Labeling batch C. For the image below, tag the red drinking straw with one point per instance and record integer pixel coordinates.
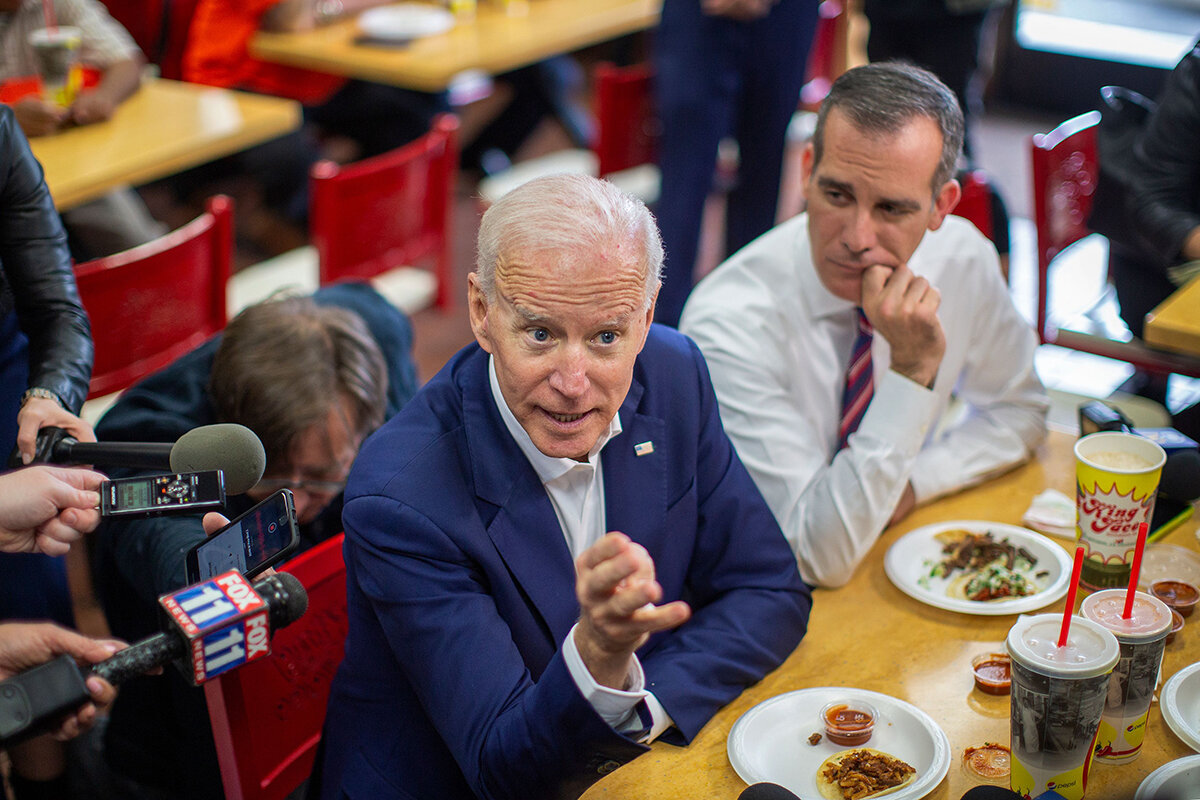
(1074, 587)
(48, 13)
(1135, 569)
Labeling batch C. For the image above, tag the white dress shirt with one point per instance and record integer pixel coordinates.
(576, 491)
(777, 344)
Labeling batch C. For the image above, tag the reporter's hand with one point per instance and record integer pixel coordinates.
(45, 509)
(614, 581)
(902, 308)
(42, 412)
(37, 117)
(25, 645)
(213, 522)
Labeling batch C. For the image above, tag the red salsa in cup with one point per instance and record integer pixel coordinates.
(1178, 595)
(993, 673)
(848, 723)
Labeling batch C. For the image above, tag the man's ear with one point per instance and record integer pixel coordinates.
(477, 307)
(946, 200)
(807, 163)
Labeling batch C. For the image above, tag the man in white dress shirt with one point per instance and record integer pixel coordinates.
(779, 323)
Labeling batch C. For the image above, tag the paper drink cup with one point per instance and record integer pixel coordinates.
(1131, 685)
(1116, 477)
(1058, 695)
(57, 54)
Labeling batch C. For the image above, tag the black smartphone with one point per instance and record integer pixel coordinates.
(153, 495)
(260, 538)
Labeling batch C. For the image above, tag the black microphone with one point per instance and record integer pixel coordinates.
(211, 638)
(233, 449)
(766, 791)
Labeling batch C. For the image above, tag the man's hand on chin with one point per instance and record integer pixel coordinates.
(902, 307)
(614, 581)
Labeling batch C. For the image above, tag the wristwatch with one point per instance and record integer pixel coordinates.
(38, 391)
(327, 11)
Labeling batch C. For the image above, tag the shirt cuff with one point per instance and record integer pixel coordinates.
(619, 709)
(900, 413)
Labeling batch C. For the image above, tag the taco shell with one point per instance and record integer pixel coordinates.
(862, 773)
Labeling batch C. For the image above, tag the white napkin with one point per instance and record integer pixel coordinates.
(1052, 512)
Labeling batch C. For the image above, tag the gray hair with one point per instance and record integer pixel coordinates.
(572, 215)
(886, 96)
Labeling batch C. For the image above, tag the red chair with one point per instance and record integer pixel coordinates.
(159, 27)
(627, 129)
(153, 303)
(975, 204)
(625, 147)
(827, 56)
(389, 211)
(267, 716)
(1065, 171)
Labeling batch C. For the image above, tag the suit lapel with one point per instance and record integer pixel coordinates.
(635, 486)
(525, 529)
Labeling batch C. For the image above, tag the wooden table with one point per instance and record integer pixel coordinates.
(1175, 323)
(923, 656)
(165, 128)
(495, 42)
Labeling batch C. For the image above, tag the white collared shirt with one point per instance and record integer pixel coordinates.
(576, 491)
(777, 343)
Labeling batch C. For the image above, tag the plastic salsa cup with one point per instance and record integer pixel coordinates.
(849, 722)
(993, 673)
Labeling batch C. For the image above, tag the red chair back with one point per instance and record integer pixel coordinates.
(267, 716)
(159, 27)
(1065, 174)
(1065, 169)
(153, 303)
(827, 55)
(627, 127)
(975, 204)
(389, 211)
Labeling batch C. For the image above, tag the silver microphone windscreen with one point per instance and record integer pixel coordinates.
(233, 449)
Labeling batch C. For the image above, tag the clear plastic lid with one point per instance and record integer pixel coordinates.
(1149, 619)
(1091, 649)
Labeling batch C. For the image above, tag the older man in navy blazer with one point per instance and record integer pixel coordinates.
(482, 662)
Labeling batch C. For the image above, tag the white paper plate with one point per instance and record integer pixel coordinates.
(905, 564)
(405, 21)
(1176, 779)
(770, 741)
(1179, 702)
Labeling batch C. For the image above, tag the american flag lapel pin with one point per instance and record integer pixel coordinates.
(644, 448)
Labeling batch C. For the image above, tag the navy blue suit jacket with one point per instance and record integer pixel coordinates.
(461, 589)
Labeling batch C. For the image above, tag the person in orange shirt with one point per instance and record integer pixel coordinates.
(377, 118)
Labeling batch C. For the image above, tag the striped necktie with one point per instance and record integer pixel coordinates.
(860, 382)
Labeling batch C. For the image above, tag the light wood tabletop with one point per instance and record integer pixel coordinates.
(501, 37)
(166, 127)
(1175, 323)
(870, 635)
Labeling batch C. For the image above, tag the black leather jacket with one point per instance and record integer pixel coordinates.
(36, 279)
(1165, 191)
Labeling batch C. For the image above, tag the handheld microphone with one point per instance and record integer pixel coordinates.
(233, 449)
(766, 791)
(214, 626)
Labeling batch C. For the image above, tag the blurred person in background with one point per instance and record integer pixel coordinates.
(118, 220)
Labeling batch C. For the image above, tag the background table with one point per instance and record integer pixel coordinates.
(1175, 324)
(166, 127)
(914, 652)
(494, 42)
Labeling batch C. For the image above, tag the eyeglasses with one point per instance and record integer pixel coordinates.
(313, 487)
